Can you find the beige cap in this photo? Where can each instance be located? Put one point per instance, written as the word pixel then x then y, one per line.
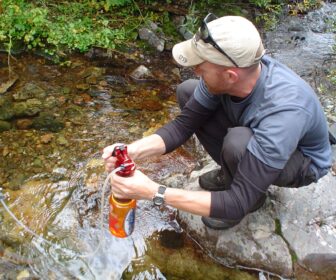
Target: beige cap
pixel 235 35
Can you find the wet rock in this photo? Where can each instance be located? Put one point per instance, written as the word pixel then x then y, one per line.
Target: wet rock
pixel 23 123
pixel 302 219
pixel 182 28
pixel 152 35
pixel 16 182
pixel 23 275
pixel 28 108
pixel 171 239
pixel 47 138
pixel 83 86
pixel 58 174
pixel 4 87
pixel 29 91
pixel 115 80
pixel 4 126
pixel 142 73
pixel 47 122
pixel 61 140
pixel 6 108
pixel 294 42
pixel 92 72
pixel 322 264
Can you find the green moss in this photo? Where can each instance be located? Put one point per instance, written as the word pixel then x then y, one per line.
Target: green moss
pixel 278 227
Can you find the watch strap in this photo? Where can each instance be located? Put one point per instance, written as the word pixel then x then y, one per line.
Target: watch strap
pixel 158 198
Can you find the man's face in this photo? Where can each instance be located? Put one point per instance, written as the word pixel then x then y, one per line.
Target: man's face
pixel 214 77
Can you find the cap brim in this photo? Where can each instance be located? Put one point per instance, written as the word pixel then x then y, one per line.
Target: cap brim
pixel 185 55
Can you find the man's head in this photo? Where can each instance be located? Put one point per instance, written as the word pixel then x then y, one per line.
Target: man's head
pixel 230 41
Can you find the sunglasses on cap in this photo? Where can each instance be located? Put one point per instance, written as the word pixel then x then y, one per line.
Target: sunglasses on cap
pixel 204 34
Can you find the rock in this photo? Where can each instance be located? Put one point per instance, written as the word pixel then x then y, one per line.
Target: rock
pixel 6 108
pixel 47 122
pixel 294 223
pixel 4 126
pixel 24 274
pixel 23 123
pixel 29 91
pixel 28 108
pixel 4 87
pixel 141 73
pixel 153 39
pixel 47 138
pixel 322 264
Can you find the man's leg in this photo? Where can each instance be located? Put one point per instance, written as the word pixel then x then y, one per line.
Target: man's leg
pixel 212 133
pixel 296 173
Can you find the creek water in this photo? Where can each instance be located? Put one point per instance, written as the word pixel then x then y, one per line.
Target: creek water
pixel 52 174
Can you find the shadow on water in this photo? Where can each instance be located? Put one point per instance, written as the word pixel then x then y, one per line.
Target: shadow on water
pixel 55 121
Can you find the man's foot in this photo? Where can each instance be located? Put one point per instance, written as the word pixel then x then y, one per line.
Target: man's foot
pixel 213 181
pixel 218 224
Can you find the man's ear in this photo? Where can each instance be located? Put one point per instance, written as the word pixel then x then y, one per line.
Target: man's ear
pixel 232 75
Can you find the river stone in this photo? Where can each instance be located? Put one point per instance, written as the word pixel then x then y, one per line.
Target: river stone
pixel 299 43
pixel 29 90
pixel 253 243
pixel 6 108
pixel 151 38
pixel 28 108
pixel 307 220
pixel 4 126
pixel 47 122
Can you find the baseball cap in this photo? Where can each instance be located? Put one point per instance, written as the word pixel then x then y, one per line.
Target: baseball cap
pixel 237 37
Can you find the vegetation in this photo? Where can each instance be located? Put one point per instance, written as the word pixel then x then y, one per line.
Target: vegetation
pixel 78 25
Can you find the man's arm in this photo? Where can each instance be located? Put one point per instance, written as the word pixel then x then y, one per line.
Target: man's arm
pixel 139 186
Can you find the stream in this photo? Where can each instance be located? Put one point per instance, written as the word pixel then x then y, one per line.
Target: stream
pixel 58 120
pixel 54 122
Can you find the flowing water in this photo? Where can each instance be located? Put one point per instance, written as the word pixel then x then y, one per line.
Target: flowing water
pixel 60 119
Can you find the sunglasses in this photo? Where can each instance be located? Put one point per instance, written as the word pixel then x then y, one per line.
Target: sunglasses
pixel 204 34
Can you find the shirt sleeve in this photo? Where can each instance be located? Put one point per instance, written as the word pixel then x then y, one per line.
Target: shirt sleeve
pixel 277 136
pixel 179 130
pixel 251 181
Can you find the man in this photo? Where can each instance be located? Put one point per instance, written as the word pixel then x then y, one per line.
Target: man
pixel 255 117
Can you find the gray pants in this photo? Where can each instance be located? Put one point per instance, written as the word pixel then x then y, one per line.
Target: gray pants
pixel 227 143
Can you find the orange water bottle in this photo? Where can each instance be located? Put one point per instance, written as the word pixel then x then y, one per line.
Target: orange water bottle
pixel 122 211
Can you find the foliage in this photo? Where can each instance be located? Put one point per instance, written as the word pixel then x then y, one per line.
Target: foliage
pixel 303 6
pixel 71 26
pixel 78 25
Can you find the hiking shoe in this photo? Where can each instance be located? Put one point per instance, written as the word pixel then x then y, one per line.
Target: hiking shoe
pixel 218 224
pixel 213 181
pixel 215 223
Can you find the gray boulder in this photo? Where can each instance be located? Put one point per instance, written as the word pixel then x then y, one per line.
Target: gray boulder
pixel 294 225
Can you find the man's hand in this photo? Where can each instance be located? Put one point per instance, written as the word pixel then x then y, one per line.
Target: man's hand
pixel 109 159
pixel 138 186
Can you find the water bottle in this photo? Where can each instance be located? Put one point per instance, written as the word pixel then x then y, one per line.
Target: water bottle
pixel 122 211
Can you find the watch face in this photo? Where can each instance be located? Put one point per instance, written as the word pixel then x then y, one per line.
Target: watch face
pixel 158 200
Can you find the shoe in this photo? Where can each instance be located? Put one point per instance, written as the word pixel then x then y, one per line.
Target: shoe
pixel 215 223
pixel 213 180
pixel 218 224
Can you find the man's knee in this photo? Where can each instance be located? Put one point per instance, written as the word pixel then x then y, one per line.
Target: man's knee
pixel 185 90
pixel 235 143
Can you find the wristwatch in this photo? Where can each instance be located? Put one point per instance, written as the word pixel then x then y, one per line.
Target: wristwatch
pixel 158 198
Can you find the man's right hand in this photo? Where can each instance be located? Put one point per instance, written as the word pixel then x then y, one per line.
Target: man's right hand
pixel 109 159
